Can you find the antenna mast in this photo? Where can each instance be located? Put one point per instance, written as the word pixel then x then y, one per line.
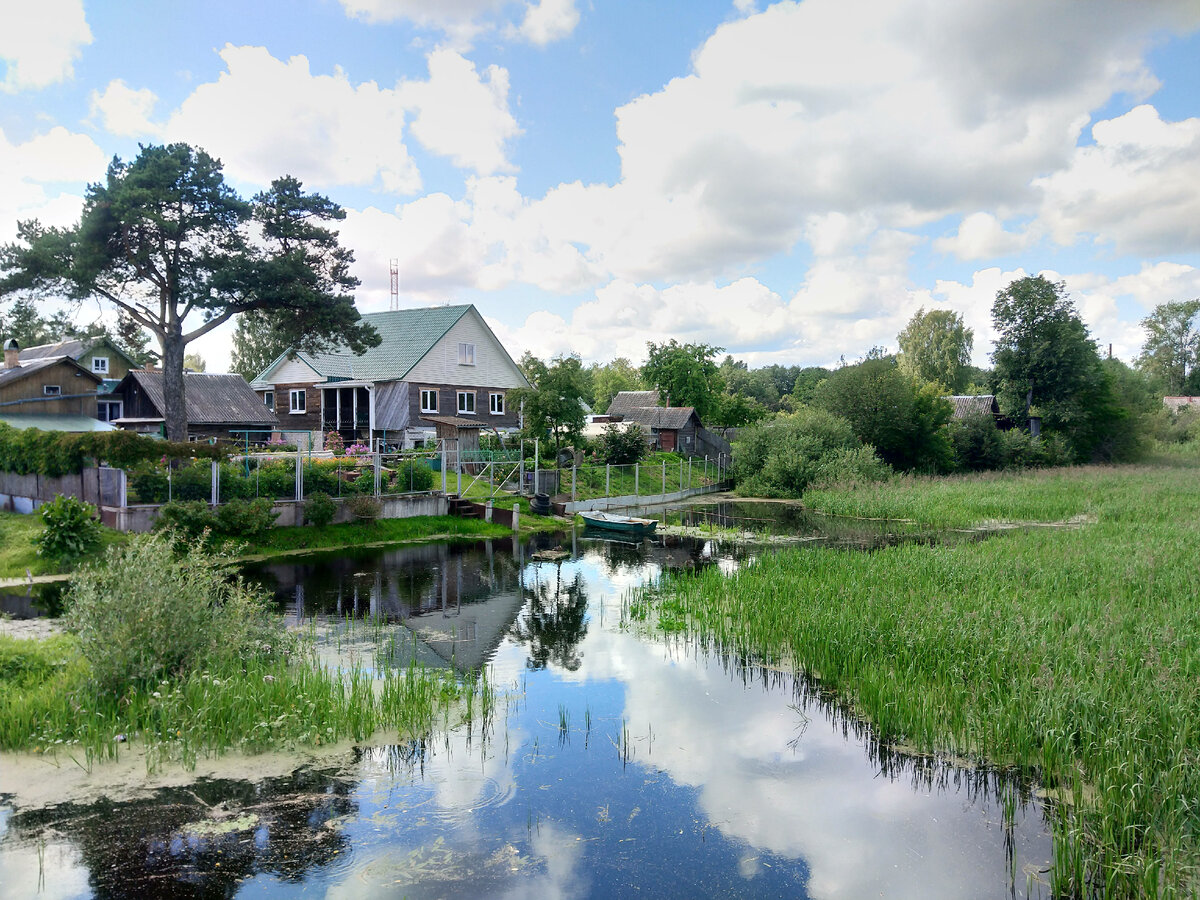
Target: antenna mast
pixel 394 266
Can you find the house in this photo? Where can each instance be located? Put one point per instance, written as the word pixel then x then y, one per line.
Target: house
pixel 966 406
pixel 217 406
pixel 101 357
pixel 671 428
pixel 55 393
pixel 432 363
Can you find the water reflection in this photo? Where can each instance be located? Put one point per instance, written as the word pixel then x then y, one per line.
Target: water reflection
pixel 617 764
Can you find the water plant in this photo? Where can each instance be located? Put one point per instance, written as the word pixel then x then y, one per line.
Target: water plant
pixel 1069 653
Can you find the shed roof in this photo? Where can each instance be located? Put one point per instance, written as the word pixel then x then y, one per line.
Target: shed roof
pixel 456 421
pixel 209 399
pixel 55 422
pixel 964 405
pixel 627 400
pixel 673 417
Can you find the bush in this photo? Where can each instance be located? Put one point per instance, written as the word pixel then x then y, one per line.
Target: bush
pixel 783 457
pixel 621 446
pixel 146 613
pixel 70 528
pixel 977 443
pixel 1023 451
pixel 320 509
pixel 187 518
pixel 246 518
pixel 364 506
pixel 412 475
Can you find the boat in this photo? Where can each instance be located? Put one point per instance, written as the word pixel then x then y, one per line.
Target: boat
pixel 630 526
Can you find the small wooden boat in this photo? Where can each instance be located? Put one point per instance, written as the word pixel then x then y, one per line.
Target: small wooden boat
pixel 630 526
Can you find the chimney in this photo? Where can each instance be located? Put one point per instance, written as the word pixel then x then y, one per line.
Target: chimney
pixel 12 354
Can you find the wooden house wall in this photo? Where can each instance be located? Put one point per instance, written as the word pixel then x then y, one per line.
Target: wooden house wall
pixel 78 392
pixel 448 405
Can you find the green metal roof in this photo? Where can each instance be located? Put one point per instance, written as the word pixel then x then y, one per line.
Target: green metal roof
pixel 408 334
pixel 53 422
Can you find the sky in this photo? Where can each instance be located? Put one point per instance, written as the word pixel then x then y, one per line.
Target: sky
pixel 788 181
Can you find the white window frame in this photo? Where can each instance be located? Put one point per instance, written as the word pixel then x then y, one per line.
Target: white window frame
pixel 293 394
pixel 462 396
pixel 100 365
pixel 269 400
pixel 427 395
pixel 492 404
pixel 52 390
pixel 466 353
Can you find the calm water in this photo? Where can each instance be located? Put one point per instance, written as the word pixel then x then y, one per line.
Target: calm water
pixel 618 765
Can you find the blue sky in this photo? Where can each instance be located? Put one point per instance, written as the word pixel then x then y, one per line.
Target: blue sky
pixel 790 181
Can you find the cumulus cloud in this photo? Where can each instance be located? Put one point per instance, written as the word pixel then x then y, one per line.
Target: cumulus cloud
pixel 40 42
pixel 461 114
pixel 543 21
pixel 124 111
pixel 31 173
pixel 1136 186
pixel 982 235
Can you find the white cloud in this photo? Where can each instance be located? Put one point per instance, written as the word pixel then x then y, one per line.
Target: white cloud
pixel 265 118
pixel 460 114
pixel 462 20
pixel 982 235
pixel 1138 186
pixel 31 172
pixel 124 111
pixel 548 20
pixel 40 41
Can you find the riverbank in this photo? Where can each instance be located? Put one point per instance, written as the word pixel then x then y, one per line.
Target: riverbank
pixel 1071 654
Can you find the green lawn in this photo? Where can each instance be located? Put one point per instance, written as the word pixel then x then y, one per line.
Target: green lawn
pixel 1071 653
pixel 19 555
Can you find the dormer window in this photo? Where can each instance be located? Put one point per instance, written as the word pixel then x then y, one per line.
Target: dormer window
pixel 100 365
pixel 466 353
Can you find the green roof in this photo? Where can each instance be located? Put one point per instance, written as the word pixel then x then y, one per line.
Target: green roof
pixel 53 422
pixel 408 334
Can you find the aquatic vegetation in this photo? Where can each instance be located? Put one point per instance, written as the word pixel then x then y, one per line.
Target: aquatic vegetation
pixel 1068 653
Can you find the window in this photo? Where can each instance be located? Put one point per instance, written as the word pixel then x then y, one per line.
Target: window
pixel 269 399
pixel 429 400
pixel 296 401
pixel 109 410
pixel 466 354
pixel 497 404
pixel 466 402
pixel 51 390
pixel 100 365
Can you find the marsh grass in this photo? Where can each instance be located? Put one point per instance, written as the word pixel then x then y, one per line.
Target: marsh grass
pixel 416 528
pixel 1070 654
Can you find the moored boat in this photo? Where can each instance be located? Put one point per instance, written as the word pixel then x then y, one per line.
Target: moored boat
pixel 630 526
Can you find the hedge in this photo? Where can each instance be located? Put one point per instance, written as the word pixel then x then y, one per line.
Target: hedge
pixel 31 451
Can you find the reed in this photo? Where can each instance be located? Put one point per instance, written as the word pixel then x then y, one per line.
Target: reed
pixel 1070 653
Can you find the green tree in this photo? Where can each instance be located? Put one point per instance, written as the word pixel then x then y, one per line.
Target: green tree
pixel 167 242
pixel 610 379
pixel 194 362
pixel 1045 361
pixel 935 346
pixel 255 344
pixel 902 419
pixel 1172 344
pixel 552 404
pixel 685 374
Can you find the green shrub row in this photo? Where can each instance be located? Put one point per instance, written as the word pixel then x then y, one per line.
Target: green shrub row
pixel 31 451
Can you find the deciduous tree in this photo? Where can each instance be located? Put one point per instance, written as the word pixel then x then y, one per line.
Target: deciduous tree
pixel 685 374
pixel 935 346
pixel 551 405
pixel 1172 343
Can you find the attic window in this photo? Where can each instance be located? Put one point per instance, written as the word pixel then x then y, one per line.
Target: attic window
pixel 100 365
pixel 51 390
pixel 466 353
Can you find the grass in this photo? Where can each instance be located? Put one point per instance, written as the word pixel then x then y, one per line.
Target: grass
pixel 1072 654
pixel 18 553
pixel 48 705
pixel 352 534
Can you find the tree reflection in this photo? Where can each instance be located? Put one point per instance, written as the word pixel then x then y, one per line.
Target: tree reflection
pixel 554 621
pixel 203 840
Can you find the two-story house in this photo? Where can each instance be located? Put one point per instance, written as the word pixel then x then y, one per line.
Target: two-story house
pixel 433 364
pixel 101 357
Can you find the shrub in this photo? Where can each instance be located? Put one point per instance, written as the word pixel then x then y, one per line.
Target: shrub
pixel 621 446
pixel 334 443
pixel 320 509
pixel 70 528
pixel 147 612
pixel 187 518
pixel 412 475
pixel 844 468
pixel 246 518
pixel 1023 451
pixel 364 506
pixel 977 443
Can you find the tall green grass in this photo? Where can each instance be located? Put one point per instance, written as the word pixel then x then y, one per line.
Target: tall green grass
pixel 1073 654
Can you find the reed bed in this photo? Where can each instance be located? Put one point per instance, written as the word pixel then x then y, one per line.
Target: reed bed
pixel 1071 654
pixel 48 705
